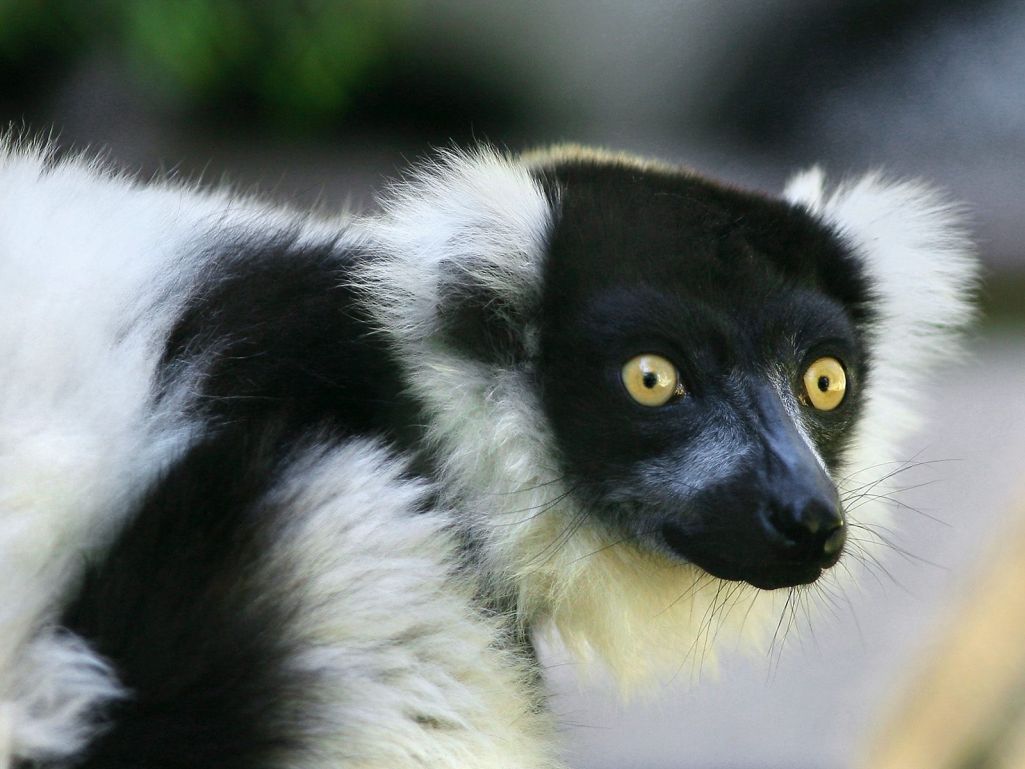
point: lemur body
(284, 491)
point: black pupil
(650, 379)
(823, 383)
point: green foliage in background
(297, 62)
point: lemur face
(702, 356)
(626, 368)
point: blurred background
(318, 103)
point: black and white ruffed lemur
(287, 490)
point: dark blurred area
(318, 100)
(320, 103)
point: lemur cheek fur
(285, 491)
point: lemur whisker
(699, 637)
(878, 564)
(536, 510)
(715, 620)
(847, 600)
(886, 542)
(804, 596)
(899, 462)
(525, 489)
(729, 604)
(856, 552)
(747, 613)
(905, 467)
(827, 599)
(560, 540)
(904, 554)
(795, 608)
(701, 579)
(602, 549)
(864, 498)
(902, 466)
(775, 651)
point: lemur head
(639, 380)
(701, 361)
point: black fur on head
(741, 293)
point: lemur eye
(825, 384)
(652, 380)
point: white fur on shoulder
(81, 256)
(409, 673)
(52, 699)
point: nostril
(785, 523)
(834, 544)
(814, 531)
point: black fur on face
(741, 294)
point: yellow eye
(825, 384)
(651, 380)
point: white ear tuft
(476, 211)
(918, 257)
(923, 276)
(806, 188)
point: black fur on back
(186, 609)
(275, 328)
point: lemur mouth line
(793, 575)
(791, 579)
(761, 571)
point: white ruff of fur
(408, 672)
(80, 257)
(921, 266)
(638, 613)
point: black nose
(811, 531)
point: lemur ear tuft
(914, 249)
(461, 245)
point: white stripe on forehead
(781, 386)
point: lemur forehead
(622, 222)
